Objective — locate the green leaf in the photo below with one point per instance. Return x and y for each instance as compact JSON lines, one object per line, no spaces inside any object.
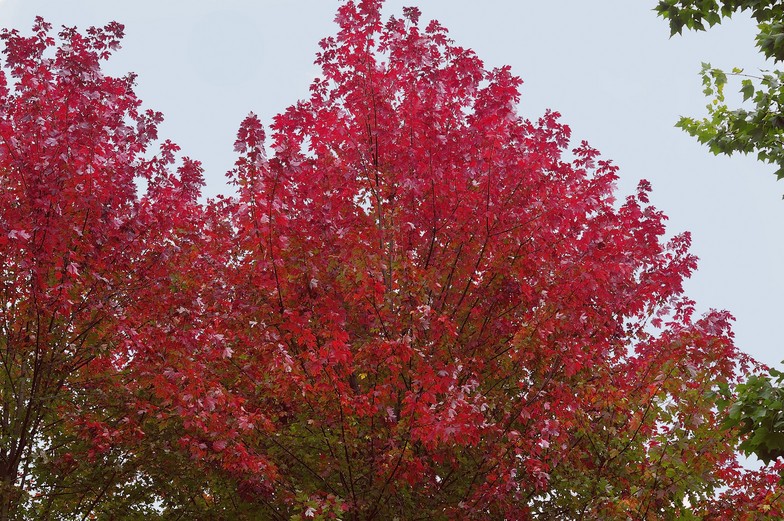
{"x":747,"y":89}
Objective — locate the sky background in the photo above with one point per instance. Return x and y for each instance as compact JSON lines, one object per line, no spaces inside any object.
{"x":608,"y":66}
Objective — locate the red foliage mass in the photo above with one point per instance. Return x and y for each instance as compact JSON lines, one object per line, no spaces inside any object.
{"x":419,"y":304}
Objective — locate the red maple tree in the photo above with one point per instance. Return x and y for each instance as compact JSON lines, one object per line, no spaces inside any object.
{"x":79,"y":247}
{"x":418,"y":305}
{"x":447,"y":319}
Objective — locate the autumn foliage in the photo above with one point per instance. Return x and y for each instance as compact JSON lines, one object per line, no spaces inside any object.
{"x":417,"y":305}
{"x":79,"y":248}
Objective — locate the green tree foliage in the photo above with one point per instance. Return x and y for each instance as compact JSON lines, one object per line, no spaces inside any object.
{"x":758,"y":125}
{"x":758,"y":410}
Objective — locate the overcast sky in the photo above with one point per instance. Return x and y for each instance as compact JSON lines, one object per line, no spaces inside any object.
{"x":607,"y":66}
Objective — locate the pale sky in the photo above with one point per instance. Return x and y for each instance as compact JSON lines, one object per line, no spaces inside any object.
{"x":607,"y":65}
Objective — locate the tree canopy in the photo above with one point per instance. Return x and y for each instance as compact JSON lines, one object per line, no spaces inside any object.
{"x":416,"y":305}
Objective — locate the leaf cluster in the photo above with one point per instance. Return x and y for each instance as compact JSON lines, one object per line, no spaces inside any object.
{"x":757,"y":129}
{"x":757,"y":411}
{"x":746,"y":129}
{"x":699,"y":15}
